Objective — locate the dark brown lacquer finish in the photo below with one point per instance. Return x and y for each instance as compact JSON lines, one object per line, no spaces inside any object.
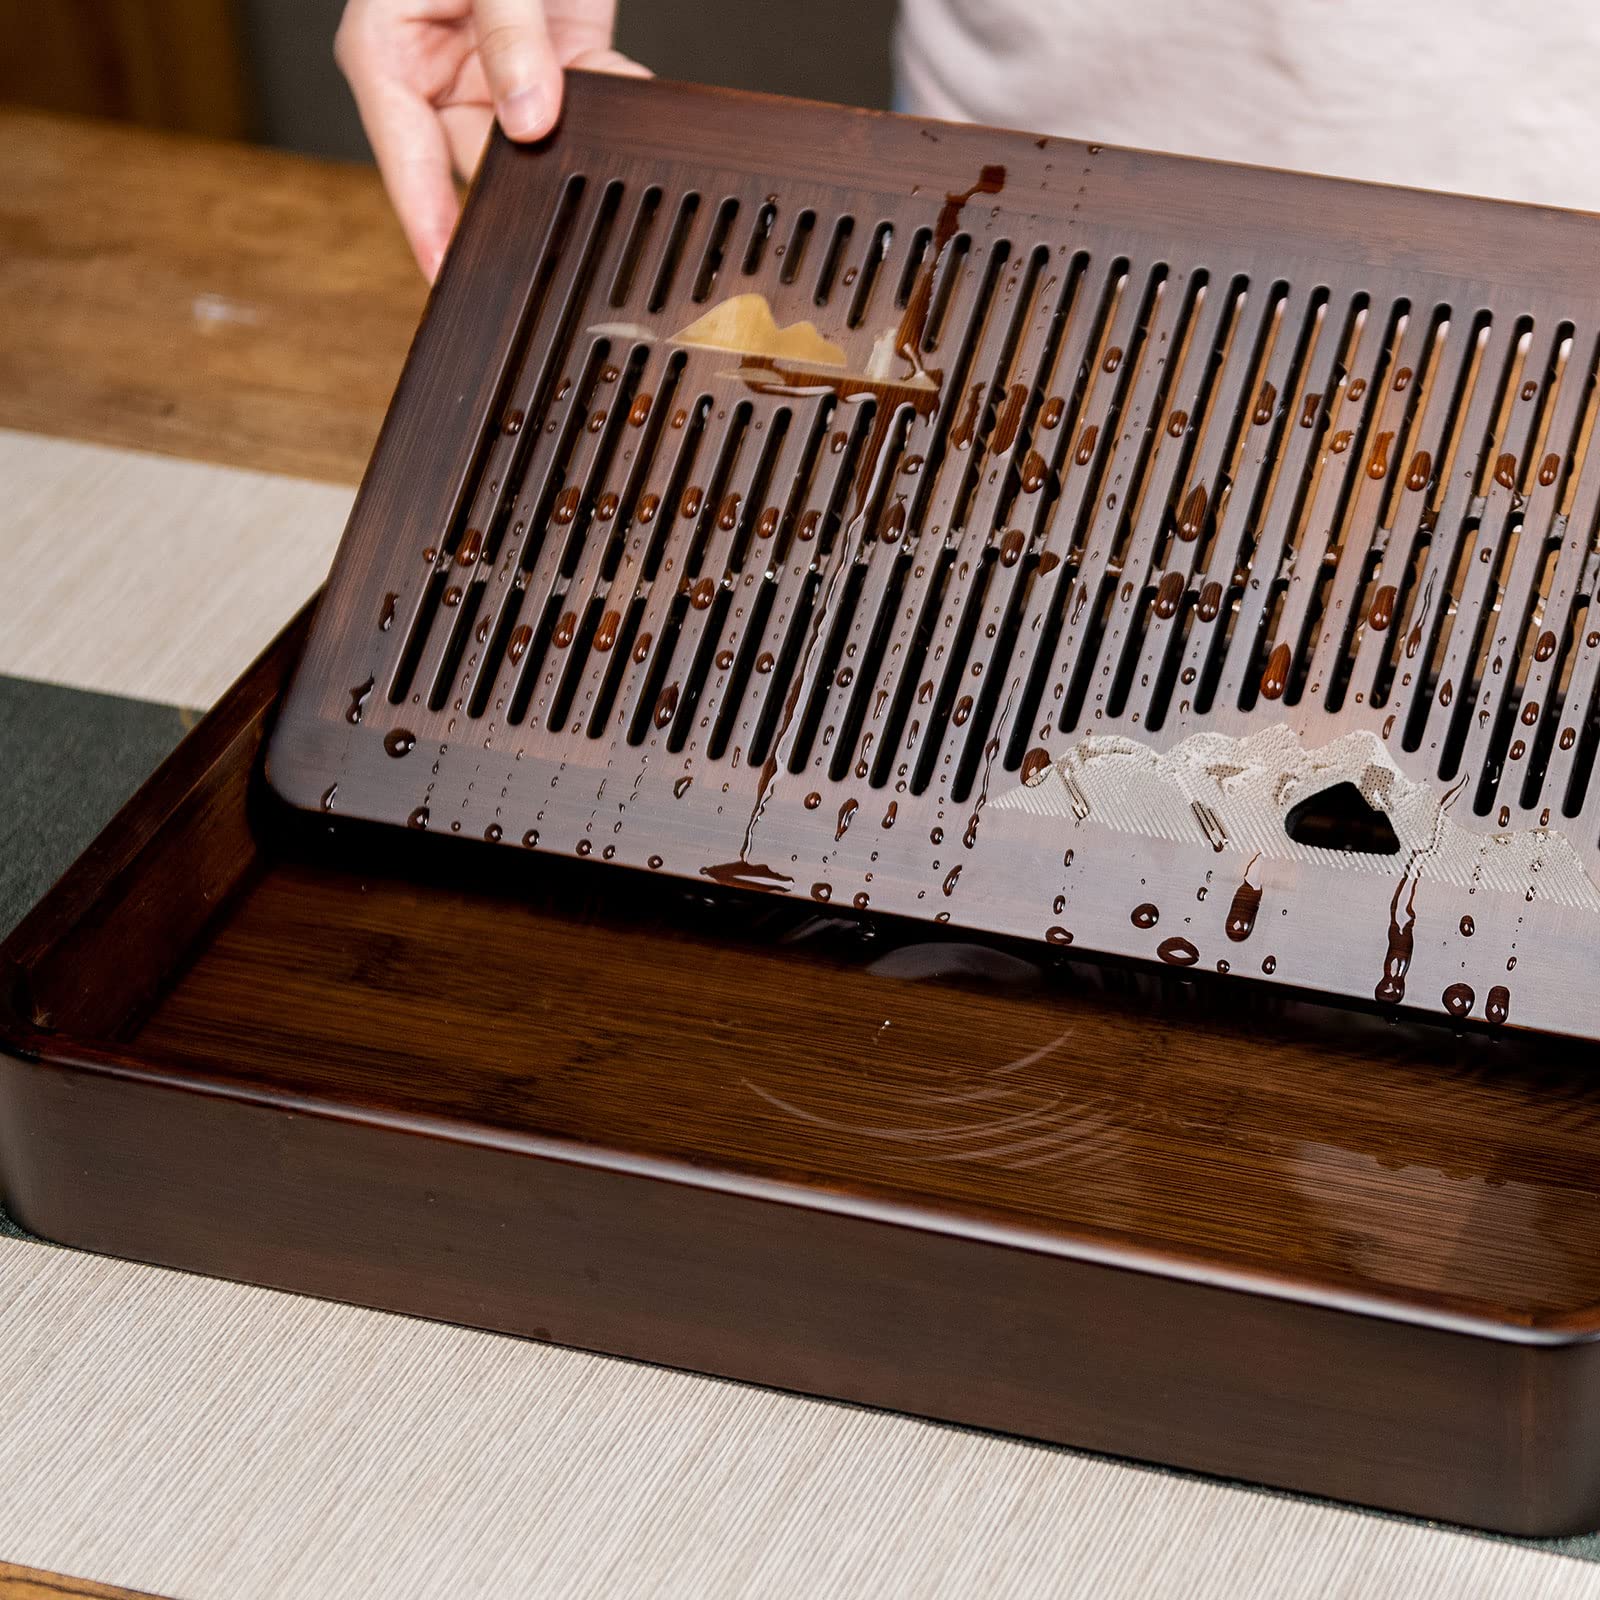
{"x":1184,"y":561}
{"x":969,"y":1177}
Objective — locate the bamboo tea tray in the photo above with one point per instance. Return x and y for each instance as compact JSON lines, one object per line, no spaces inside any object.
{"x":1090,"y":1161}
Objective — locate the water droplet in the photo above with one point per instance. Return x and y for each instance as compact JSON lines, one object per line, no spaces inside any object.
{"x":358,"y":700}
{"x":1192,"y":514}
{"x":1276,"y":677}
{"x":1243,"y":910}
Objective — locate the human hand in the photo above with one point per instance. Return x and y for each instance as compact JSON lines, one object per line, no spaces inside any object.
{"x":430,"y":76}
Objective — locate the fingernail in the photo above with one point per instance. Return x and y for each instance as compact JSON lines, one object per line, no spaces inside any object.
{"x":522,"y":114}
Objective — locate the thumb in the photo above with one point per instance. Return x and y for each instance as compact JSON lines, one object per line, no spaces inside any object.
{"x":519,"y":64}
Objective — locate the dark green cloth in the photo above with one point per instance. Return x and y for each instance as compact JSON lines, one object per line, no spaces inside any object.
{"x":68,"y":760}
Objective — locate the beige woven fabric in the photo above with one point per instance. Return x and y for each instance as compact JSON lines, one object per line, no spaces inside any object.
{"x":137,"y":574}
{"x":206,"y":1439}
{"x":203,"y":1439}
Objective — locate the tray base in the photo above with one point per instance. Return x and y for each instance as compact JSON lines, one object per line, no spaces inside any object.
{"x":979,"y":1182}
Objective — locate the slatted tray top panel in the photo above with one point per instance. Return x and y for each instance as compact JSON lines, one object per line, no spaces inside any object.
{"x":1174,"y":560}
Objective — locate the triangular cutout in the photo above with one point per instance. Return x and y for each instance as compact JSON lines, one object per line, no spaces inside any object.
{"x":1341,"y":818}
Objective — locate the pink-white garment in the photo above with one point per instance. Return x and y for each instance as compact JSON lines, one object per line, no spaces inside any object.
{"x":1495,"y":97}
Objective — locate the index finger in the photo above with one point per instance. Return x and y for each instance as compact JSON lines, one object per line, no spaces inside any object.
{"x":413,"y":155}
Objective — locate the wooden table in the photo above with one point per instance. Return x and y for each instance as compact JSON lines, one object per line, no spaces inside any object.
{"x":207,"y":300}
